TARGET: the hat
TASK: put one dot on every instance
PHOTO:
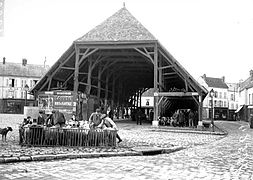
(53, 111)
(103, 116)
(28, 117)
(40, 111)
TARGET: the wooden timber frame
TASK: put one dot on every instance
(117, 65)
(119, 72)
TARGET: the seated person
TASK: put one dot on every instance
(84, 124)
(110, 125)
(73, 121)
(27, 121)
(56, 119)
(95, 119)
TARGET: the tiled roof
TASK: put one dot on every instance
(149, 93)
(17, 69)
(248, 83)
(215, 82)
(121, 26)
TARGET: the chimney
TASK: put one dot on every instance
(4, 60)
(204, 76)
(251, 74)
(24, 62)
(223, 78)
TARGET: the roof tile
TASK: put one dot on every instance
(122, 26)
(215, 82)
(17, 69)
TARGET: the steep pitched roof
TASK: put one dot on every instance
(17, 69)
(121, 26)
(215, 82)
(248, 83)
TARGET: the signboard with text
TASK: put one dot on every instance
(57, 100)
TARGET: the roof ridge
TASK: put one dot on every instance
(121, 26)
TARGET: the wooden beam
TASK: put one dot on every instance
(88, 87)
(155, 123)
(169, 74)
(180, 94)
(87, 55)
(143, 53)
(65, 82)
(76, 81)
(68, 68)
(99, 82)
(82, 83)
(56, 70)
(49, 83)
(165, 67)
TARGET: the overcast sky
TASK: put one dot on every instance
(212, 37)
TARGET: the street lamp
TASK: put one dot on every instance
(26, 88)
(212, 107)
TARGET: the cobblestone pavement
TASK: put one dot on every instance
(217, 158)
(132, 135)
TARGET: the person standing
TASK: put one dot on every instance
(41, 118)
(191, 119)
(181, 118)
(139, 117)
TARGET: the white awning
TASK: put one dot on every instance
(238, 109)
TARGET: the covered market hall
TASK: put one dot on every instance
(114, 63)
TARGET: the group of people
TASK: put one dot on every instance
(97, 120)
(181, 118)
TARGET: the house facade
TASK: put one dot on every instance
(246, 98)
(15, 81)
(224, 101)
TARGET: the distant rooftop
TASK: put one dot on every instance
(22, 70)
(215, 82)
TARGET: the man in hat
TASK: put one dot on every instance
(41, 118)
(109, 124)
(95, 119)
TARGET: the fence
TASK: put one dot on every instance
(45, 136)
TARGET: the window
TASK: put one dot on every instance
(216, 94)
(210, 103)
(12, 83)
(232, 97)
(232, 105)
(225, 95)
(225, 104)
(215, 103)
(221, 103)
(220, 95)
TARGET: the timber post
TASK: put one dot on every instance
(76, 81)
(200, 122)
(155, 120)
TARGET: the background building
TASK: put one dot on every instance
(15, 81)
(246, 98)
(233, 100)
(225, 100)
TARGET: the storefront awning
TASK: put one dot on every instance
(239, 109)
